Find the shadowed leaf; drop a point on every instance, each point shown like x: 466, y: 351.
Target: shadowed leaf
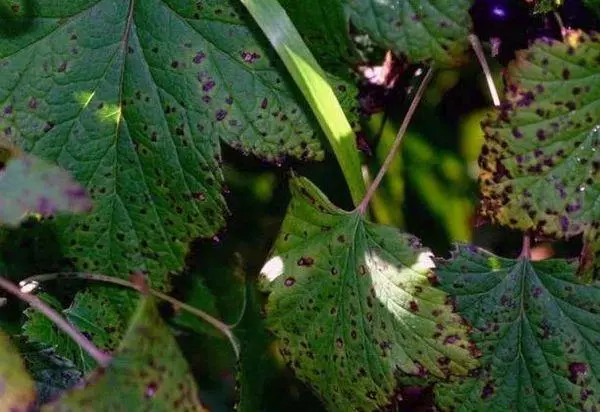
x: 351, y: 301
x: 148, y: 372
x: 538, y: 328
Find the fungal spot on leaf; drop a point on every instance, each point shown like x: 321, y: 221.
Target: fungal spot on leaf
x: 306, y: 261
x: 289, y: 281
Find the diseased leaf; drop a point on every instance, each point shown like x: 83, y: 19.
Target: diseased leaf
x: 29, y: 185
x: 147, y: 373
x: 423, y: 30
x: 541, y: 158
x: 134, y: 98
x: 351, y: 302
x: 17, y: 390
x: 538, y: 328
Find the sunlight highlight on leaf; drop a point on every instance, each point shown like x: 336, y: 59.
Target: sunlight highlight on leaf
x: 351, y: 302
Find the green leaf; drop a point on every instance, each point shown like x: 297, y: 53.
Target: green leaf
x: 538, y: 328
x: 17, y: 390
x: 351, y: 302
x: 313, y: 83
x: 30, y: 185
x: 147, y: 373
x: 423, y: 30
x: 134, y: 98
x: 100, y: 313
x: 324, y: 28
x: 540, y: 161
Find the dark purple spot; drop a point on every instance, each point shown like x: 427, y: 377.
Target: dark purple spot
x: 250, y: 57
x: 263, y: 104
x: 208, y: 86
x: 8, y: 110
x: 566, y: 74
x: 487, y: 391
x: 62, y: 68
x: 306, y: 261
x: 174, y: 64
x: 289, y: 281
x: 450, y: 340
x: 151, y: 390
x: 199, y: 57
x: 220, y: 114
x: 564, y: 223
x: 578, y: 371
x: 413, y: 306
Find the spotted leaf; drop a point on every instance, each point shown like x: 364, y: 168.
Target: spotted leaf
x: 29, y: 185
x: 134, y: 99
x: 538, y: 329
x: 430, y: 30
x: 351, y: 302
x: 541, y: 158
x: 148, y: 372
x: 17, y: 390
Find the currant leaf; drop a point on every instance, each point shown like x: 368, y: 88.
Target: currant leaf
x: 537, y: 326
x: 148, y: 372
x: 134, y: 98
x: 541, y: 158
x: 351, y: 301
x: 424, y: 31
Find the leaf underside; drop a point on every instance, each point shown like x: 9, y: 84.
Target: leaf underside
x: 424, y: 31
x: 538, y: 329
x: 147, y: 373
x: 133, y: 98
x: 541, y: 158
x: 17, y: 390
x: 351, y: 301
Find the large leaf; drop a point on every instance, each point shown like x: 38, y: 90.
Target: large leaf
x: 147, y: 373
x: 17, y: 390
x: 538, y: 328
x: 30, y: 185
x: 423, y: 30
x: 352, y: 301
x: 540, y: 162
x: 133, y: 98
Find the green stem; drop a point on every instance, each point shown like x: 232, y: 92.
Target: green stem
x: 311, y: 80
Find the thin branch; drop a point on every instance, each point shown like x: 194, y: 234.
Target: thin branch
x: 526, y: 248
x: 222, y: 327
x: 476, y: 44
x: 364, y: 204
x: 100, y: 357
x: 561, y: 25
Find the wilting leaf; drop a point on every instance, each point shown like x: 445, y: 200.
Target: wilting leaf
x: 134, y: 99
x: 538, y: 328
x: 424, y: 30
x: 30, y: 185
x: 17, y: 390
x: 541, y: 158
x: 351, y: 302
x: 147, y: 373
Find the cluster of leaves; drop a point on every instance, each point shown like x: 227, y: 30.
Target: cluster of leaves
x: 133, y: 100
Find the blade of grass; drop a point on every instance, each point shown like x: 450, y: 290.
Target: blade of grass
x: 311, y: 80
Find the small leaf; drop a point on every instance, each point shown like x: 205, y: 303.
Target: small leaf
x: 351, y: 302
x: 538, y: 328
x: 147, y: 373
x: 99, y: 313
x: 430, y: 30
x: 17, y: 390
x: 541, y: 157
x: 29, y: 185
